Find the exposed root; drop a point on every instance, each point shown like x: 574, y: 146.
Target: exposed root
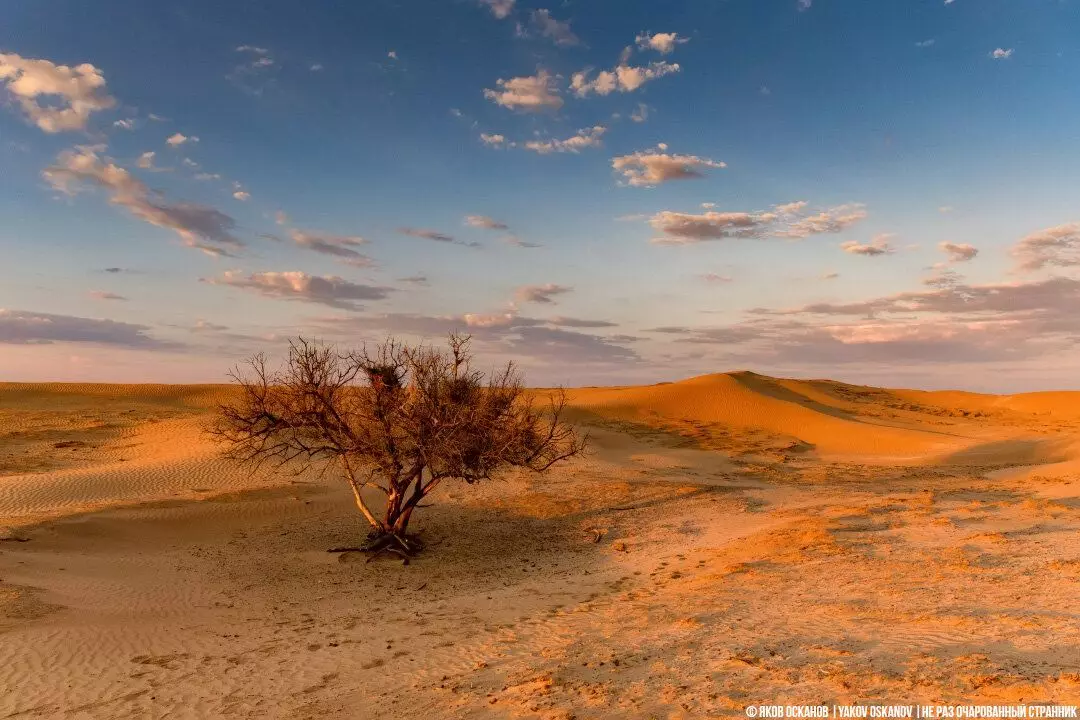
x: 377, y: 542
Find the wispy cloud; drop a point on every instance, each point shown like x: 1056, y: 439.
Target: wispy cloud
x: 584, y: 138
x: 543, y: 294
x: 198, y: 226
x: 557, y: 31
x: 18, y: 327
x: 328, y: 290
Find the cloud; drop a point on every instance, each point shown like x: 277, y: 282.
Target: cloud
x: 328, y: 290
x: 493, y: 140
x: 641, y: 114
x: 146, y: 160
x: 535, y: 93
x: 579, y: 323
x: 804, y: 5
x: 715, y: 278
x: 198, y: 226
x: 1057, y: 246
x: 206, y: 177
x: 30, y: 328
x: 686, y: 228
x: 925, y: 43
x: 71, y: 94
x: 1002, y: 54
x: 501, y: 9
x: 958, y: 252
x: 663, y: 43
x: 515, y: 241
x: 482, y: 221
x: 791, y: 208
x: 339, y: 246
x: 427, y: 234
x: 178, y: 139
x: 952, y: 322
x: 680, y: 228
x: 558, y: 32
x: 651, y: 168
x: 522, y: 338
x: 242, y: 196
x: 623, y: 78
x: 834, y: 220
x: 125, y: 124
x: 880, y: 245
x: 542, y: 294
x: 586, y: 137
x: 103, y: 295
x: 250, y: 75
x: 414, y: 280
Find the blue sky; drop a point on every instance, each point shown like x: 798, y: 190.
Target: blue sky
x: 605, y: 192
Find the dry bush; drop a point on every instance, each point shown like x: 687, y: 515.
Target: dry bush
x: 400, y: 420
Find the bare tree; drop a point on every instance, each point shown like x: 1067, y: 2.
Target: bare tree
x: 400, y: 420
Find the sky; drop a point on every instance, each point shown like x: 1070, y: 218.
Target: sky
x: 604, y: 192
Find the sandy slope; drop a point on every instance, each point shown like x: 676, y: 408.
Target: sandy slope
x: 761, y: 540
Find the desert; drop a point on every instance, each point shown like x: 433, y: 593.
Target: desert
x: 728, y: 539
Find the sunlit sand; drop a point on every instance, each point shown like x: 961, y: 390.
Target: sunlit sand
x: 729, y: 539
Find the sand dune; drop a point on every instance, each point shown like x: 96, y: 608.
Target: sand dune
x: 761, y: 540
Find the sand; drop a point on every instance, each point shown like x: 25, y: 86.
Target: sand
x: 760, y: 541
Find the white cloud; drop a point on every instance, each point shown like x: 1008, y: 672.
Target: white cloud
x: 680, y: 228
x: 791, y: 207
x: 586, y: 137
x: 534, y: 93
x: 958, y: 252
x: 1057, y: 246
x: 327, y: 290
x: 125, y: 124
x: 1002, y: 54
x: 178, y: 139
x: 493, y: 140
x: 558, y: 32
x: 623, y: 78
x: 73, y: 94
x: 501, y: 9
x: 663, y: 43
x: 641, y: 114
x: 687, y: 228
x: 833, y: 220
x: 542, y: 294
x: 242, y: 196
x: 650, y: 168
x: 482, y: 221
x: 804, y: 5
x: 146, y: 160
x: 880, y: 245
x: 198, y: 226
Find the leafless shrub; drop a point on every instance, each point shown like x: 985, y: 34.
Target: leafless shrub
x: 400, y: 420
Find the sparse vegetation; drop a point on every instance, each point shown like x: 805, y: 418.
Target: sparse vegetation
x: 399, y: 420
